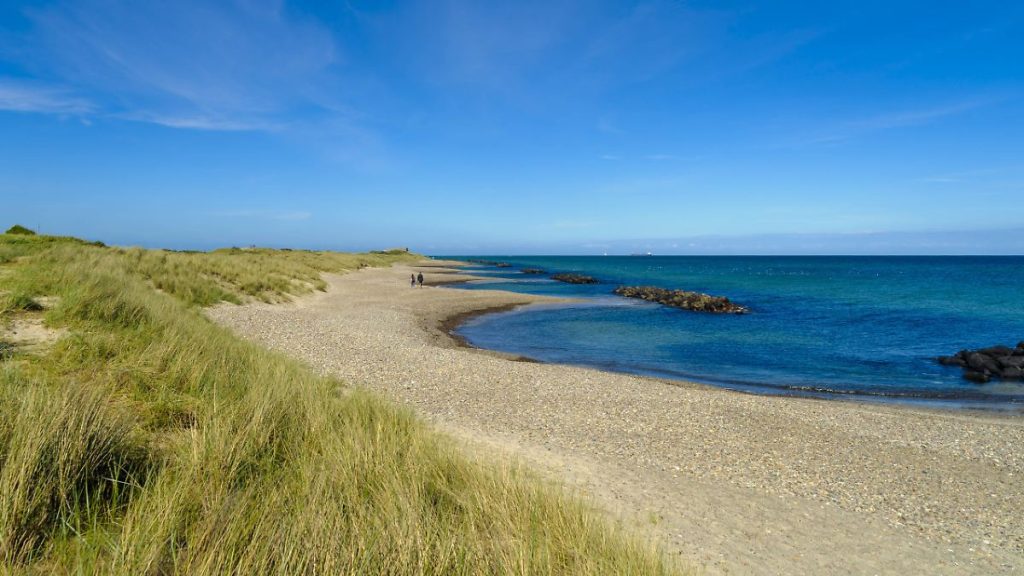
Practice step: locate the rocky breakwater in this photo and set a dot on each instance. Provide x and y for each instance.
(683, 299)
(494, 263)
(980, 366)
(575, 278)
(533, 271)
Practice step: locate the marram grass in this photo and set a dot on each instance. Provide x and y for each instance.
(148, 440)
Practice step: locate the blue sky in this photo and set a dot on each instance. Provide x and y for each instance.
(518, 127)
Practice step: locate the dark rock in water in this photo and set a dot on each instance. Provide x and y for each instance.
(952, 361)
(982, 362)
(575, 278)
(490, 263)
(985, 364)
(996, 351)
(1011, 361)
(1011, 373)
(533, 271)
(683, 299)
(978, 377)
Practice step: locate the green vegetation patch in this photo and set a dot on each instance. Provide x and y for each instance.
(148, 440)
(19, 229)
(20, 301)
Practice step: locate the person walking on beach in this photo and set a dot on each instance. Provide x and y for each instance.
(419, 278)
(412, 280)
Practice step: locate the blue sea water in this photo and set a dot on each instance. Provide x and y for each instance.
(863, 327)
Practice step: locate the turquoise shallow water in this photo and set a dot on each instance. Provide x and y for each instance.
(861, 327)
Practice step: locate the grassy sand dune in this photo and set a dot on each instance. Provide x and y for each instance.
(148, 440)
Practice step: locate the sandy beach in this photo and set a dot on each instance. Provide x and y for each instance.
(732, 483)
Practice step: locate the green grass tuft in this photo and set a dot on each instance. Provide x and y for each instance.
(63, 448)
(20, 302)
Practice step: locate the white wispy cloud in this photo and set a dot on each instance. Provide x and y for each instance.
(916, 116)
(230, 65)
(205, 122)
(18, 96)
(899, 119)
(652, 38)
(492, 45)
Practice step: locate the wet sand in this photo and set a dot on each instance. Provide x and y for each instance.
(734, 483)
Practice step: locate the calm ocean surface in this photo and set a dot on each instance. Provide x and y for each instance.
(862, 327)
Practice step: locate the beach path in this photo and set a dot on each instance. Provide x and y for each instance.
(733, 483)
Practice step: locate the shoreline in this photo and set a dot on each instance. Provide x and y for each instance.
(731, 481)
(955, 404)
(450, 324)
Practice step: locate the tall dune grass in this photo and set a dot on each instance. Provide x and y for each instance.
(150, 441)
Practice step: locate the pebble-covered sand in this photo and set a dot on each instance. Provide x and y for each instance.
(734, 483)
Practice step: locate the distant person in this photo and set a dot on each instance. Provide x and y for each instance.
(412, 280)
(419, 278)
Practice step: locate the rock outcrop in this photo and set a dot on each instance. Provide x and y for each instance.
(685, 300)
(981, 366)
(575, 278)
(533, 271)
(490, 263)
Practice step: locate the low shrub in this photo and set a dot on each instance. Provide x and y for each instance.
(19, 229)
